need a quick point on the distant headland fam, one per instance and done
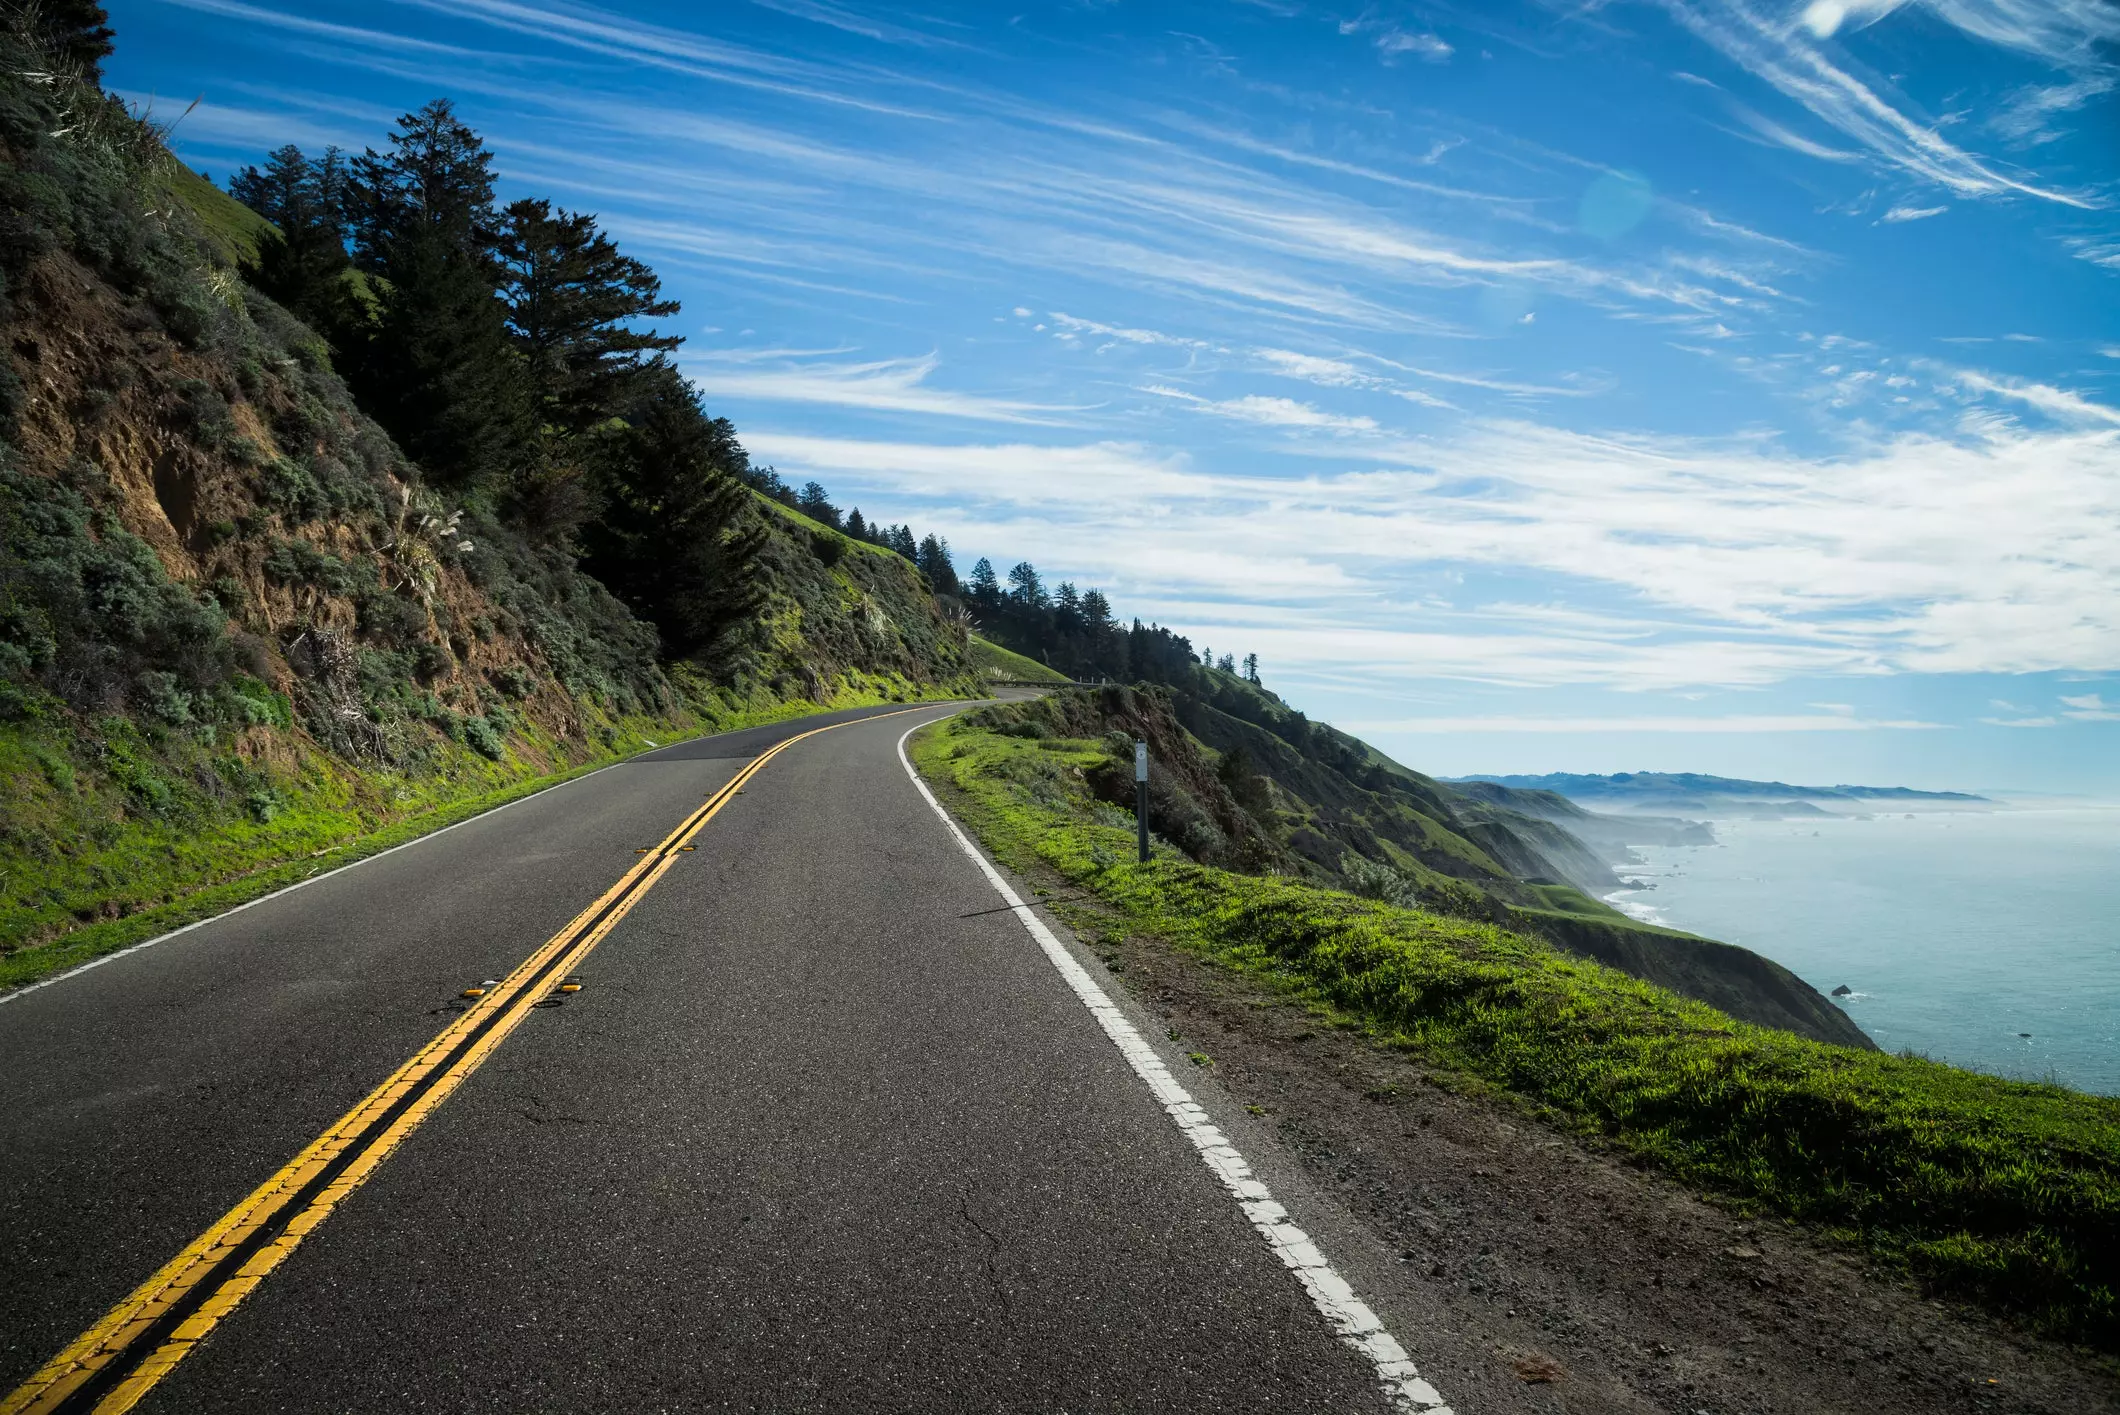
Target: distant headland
(1693, 792)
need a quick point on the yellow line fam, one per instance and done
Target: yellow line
(512, 999)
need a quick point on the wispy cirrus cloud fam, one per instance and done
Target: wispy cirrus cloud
(1883, 125)
(2090, 707)
(1708, 562)
(1667, 723)
(1393, 42)
(883, 385)
(1267, 411)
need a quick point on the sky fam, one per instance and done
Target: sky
(1711, 385)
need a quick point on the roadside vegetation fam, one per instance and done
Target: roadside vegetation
(2001, 1191)
(345, 503)
(994, 662)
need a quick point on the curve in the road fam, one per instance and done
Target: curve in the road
(113, 1365)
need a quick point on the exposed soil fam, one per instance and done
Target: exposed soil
(1559, 1277)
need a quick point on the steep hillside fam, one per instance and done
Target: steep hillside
(1238, 795)
(239, 629)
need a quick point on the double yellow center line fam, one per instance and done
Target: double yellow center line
(118, 1360)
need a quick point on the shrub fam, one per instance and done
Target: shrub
(480, 736)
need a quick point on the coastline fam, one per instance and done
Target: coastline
(1978, 937)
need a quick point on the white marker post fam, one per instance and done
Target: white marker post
(1141, 795)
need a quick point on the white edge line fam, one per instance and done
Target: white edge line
(78, 969)
(1349, 1317)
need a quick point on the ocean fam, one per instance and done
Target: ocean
(1988, 939)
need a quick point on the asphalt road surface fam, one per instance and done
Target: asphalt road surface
(824, 1129)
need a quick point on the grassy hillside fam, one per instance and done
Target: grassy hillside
(241, 636)
(1274, 793)
(991, 661)
(1999, 1190)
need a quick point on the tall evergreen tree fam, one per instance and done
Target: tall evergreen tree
(437, 370)
(675, 538)
(817, 505)
(573, 300)
(901, 540)
(1096, 612)
(1024, 585)
(933, 558)
(302, 264)
(983, 585)
(857, 527)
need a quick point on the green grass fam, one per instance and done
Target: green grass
(992, 661)
(113, 834)
(233, 228)
(2002, 1191)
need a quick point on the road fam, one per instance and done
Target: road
(825, 1128)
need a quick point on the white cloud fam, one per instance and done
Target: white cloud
(1269, 411)
(1741, 723)
(1392, 42)
(2058, 402)
(1672, 561)
(2105, 253)
(885, 385)
(1426, 46)
(2020, 721)
(1912, 213)
(2090, 707)
(1789, 59)
(1070, 327)
(1824, 18)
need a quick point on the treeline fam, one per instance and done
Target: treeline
(509, 351)
(930, 553)
(1076, 631)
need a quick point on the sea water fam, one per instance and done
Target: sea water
(1988, 939)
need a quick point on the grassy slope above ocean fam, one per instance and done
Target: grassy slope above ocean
(2003, 1191)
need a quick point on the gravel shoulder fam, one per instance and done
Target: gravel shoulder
(1570, 1279)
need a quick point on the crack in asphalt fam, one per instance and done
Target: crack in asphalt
(993, 1244)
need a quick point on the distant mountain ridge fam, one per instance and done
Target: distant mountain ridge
(1667, 786)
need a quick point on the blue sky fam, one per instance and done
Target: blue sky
(1699, 385)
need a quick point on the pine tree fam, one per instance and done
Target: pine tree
(1096, 612)
(436, 369)
(303, 264)
(817, 505)
(901, 540)
(856, 527)
(572, 300)
(984, 586)
(1251, 668)
(676, 538)
(933, 559)
(1024, 586)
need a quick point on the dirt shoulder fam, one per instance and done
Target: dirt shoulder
(1569, 1279)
